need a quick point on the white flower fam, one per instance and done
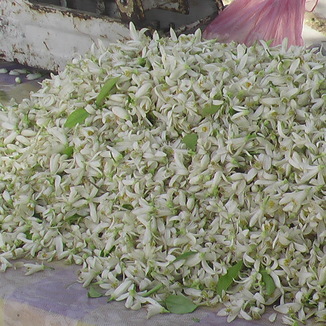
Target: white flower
(121, 289)
(288, 308)
(154, 309)
(4, 264)
(33, 268)
(124, 196)
(272, 317)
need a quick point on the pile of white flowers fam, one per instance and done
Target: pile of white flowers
(175, 166)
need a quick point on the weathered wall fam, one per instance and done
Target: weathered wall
(48, 37)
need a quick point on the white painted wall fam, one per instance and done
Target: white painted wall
(49, 38)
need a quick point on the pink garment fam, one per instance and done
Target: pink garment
(246, 21)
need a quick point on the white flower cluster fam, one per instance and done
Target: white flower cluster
(202, 155)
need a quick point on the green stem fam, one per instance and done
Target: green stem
(153, 290)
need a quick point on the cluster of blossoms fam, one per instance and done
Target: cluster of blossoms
(201, 157)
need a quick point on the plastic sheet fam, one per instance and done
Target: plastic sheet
(246, 21)
(54, 297)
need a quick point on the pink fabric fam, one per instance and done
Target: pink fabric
(246, 21)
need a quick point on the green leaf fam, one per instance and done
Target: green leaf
(268, 281)
(28, 235)
(104, 253)
(73, 219)
(179, 304)
(93, 293)
(128, 207)
(190, 141)
(68, 150)
(185, 255)
(269, 42)
(141, 61)
(209, 110)
(106, 89)
(226, 280)
(78, 116)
